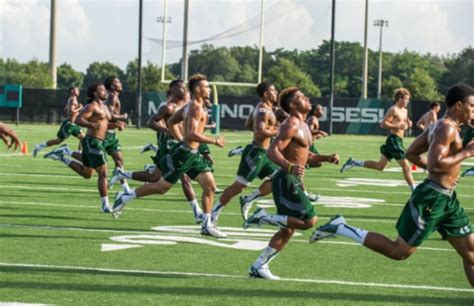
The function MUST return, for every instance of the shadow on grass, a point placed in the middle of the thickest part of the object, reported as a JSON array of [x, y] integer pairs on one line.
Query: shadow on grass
[[158, 288]]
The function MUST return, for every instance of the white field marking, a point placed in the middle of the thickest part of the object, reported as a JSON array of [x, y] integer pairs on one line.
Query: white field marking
[[115, 247], [354, 181], [42, 227], [230, 276], [398, 169], [230, 231], [467, 163], [58, 189], [339, 202], [239, 244]]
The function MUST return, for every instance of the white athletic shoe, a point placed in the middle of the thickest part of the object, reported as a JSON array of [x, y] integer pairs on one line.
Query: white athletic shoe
[[327, 230], [235, 151], [245, 207], [198, 218], [105, 208], [117, 175], [119, 205], [256, 218], [347, 165], [212, 230], [36, 150], [149, 147], [262, 272], [65, 150], [218, 191], [56, 154]]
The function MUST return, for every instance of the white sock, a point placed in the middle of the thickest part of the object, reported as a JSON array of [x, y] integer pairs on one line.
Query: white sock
[[130, 196], [105, 201], [125, 186], [412, 187], [206, 219], [216, 210], [276, 220], [254, 195], [128, 174], [42, 145], [358, 163], [265, 257], [66, 160], [195, 207], [352, 232]]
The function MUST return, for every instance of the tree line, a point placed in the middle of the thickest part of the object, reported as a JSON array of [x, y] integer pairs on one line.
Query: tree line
[[427, 76]]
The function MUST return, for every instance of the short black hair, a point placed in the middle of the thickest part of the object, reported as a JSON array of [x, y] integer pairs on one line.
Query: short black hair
[[194, 82], [109, 81], [314, 106], [72, 88], [175, 82], [434, 104], [285, 97], [458, 92], [262, 88], [91, 90]]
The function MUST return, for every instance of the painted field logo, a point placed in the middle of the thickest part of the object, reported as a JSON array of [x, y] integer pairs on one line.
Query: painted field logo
[[171, 235], [353, 181], [339, 202]]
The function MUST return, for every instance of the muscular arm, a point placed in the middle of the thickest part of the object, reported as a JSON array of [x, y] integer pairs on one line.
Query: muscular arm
[[173, 122], [287, 131], [262, 127], [157, 122], [5, 132], [83, 118], [421, 122], [388, 119], [415, 151], [195, 115], [249, 122], [439, 160]]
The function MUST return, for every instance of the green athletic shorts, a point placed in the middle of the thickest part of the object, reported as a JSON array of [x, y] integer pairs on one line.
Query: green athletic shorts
[[393, 148], [111, 143], [254, 162], [93, 152], [290, 198], [467, 133], [432, 208], [182, 159], [314, 150], [67, 129], [204, 148]]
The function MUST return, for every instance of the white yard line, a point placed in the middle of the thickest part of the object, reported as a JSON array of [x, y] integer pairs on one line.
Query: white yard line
[[229, 276]]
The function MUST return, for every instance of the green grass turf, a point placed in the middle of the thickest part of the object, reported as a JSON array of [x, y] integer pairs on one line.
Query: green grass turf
[[51, 233]]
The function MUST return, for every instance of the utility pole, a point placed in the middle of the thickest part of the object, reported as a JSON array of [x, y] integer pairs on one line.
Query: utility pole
[[184, 63], [380, 23], [52, 44], [139, 76], [366, 53], [331, 73]]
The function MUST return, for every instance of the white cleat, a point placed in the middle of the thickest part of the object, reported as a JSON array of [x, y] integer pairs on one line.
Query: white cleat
[[313, 197], [327, 230], [117, 175], [347, 165], [119, 205], [212, 230], [65, 150], [262, 272], [150, 168], [149, 147], [245, 207], [468, 172], [235, 151], [36, 150], [256, 218]]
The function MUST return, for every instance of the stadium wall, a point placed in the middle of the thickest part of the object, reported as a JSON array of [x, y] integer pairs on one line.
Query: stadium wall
[[350, 115]]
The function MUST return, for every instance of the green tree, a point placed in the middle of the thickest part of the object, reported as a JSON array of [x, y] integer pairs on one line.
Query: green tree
[[98, 72], [151, 77], [422, 86], [460, 69], [390, 85], [33, 74], [68, 77], [286, 74]]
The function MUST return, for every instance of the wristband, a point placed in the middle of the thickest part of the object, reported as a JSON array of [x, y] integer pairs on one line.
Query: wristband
[[290, 167]]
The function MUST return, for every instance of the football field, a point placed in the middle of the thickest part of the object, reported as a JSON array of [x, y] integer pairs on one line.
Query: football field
[[57, 248]]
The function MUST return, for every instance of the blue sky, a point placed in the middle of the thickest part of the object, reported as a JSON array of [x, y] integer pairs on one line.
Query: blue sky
[[107, 30]]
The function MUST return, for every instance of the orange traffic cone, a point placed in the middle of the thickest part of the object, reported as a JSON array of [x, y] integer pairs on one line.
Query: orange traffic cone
[[413, 167], [24, 148]]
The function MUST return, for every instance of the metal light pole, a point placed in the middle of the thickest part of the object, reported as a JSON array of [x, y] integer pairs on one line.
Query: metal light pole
[[366, 53], [139, 76], [184, 63], [380, 23], [52, 44], [331, 73]]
